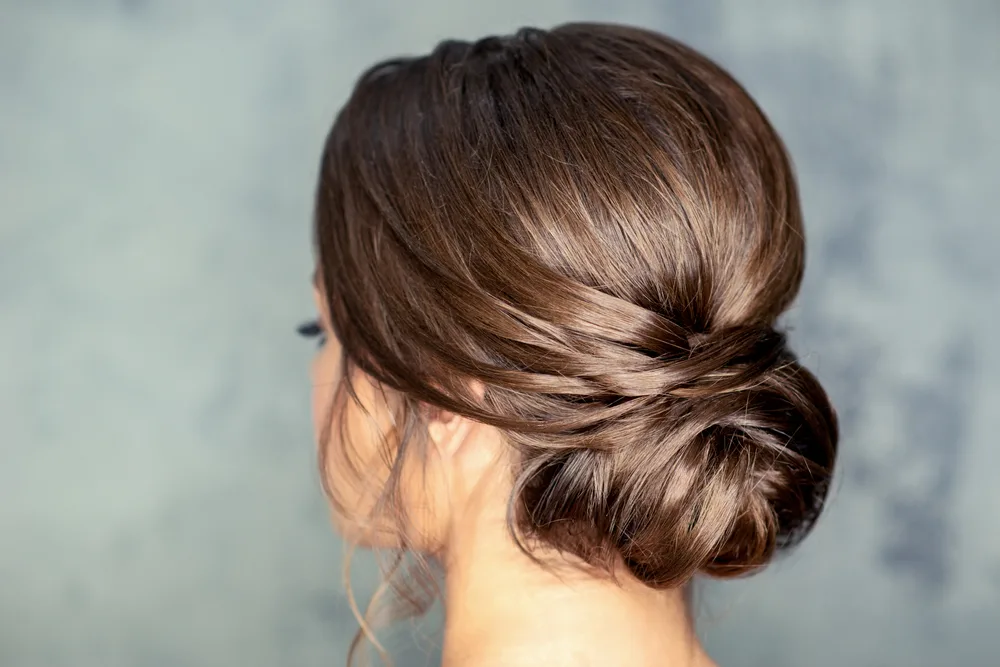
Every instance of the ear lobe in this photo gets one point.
(450, 433)
(444, 432)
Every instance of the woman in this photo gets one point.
(549, 269)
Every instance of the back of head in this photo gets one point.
(600, 226)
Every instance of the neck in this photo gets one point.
(501, 608)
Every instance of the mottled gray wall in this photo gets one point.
(159, 505)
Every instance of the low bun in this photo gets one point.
(730, 462)
(749, 475)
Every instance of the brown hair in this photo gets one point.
(599, 225)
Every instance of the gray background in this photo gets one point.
(159, 504)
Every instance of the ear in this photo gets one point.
(447, 431)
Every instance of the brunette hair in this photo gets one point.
(600, 226)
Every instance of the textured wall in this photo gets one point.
(159, 505)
